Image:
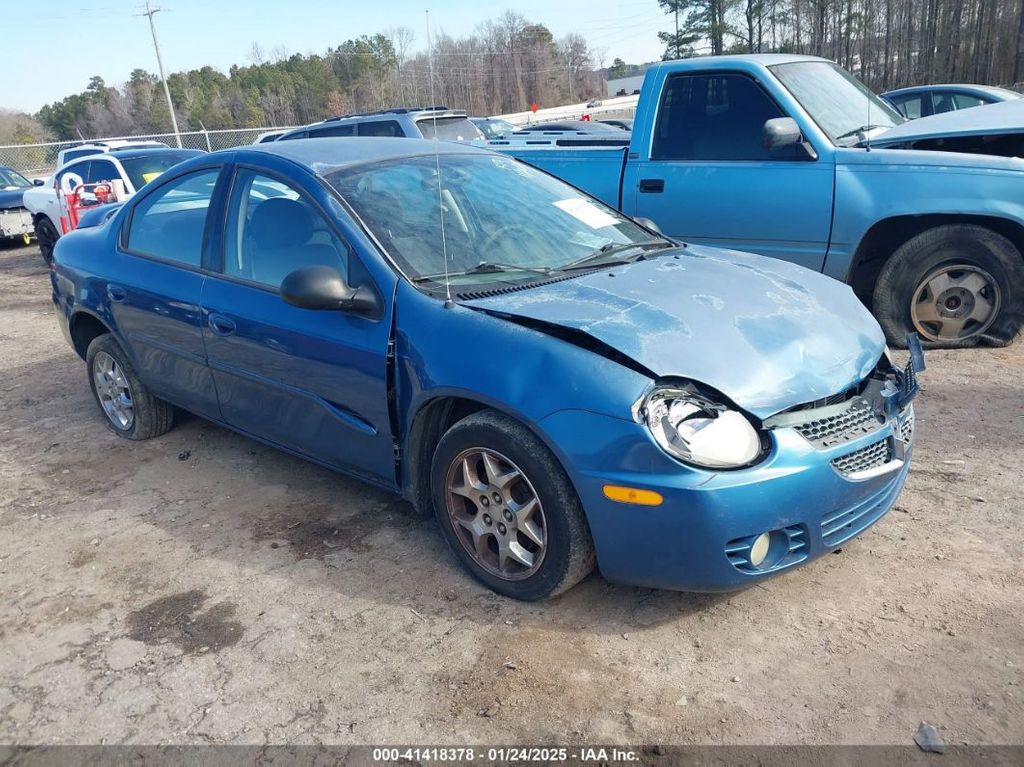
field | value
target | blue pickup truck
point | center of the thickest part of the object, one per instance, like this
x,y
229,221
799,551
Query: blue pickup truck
x,y
775,154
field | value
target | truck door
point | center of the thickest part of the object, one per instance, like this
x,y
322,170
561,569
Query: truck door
x,y
706,176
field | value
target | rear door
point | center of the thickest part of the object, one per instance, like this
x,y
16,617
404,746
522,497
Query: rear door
x,y
314,382
155,297
707,177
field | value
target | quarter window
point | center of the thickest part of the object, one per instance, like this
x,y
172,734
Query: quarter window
x,y
273,230
380,128
169,223
714,117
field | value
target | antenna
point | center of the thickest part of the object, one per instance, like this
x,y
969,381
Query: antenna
x,y
437,164
867,133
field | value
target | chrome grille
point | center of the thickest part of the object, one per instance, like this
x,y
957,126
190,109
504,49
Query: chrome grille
x,y
855,421
870,457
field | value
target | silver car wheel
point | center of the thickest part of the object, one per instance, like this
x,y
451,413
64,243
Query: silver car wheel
x,y
496,514
955,302
113,391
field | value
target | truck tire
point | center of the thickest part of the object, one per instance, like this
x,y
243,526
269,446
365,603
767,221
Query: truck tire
x,y
129,408
47,236
956,286
507,508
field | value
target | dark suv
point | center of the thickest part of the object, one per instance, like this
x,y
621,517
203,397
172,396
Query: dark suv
x,y
412,122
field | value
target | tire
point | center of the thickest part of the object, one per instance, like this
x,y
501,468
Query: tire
x,y
150,416
567,553
930,286
47,236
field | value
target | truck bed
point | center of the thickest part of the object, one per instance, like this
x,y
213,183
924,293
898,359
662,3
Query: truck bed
x,y
595,170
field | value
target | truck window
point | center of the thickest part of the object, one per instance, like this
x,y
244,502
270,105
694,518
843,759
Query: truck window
x,y
714,117
101,170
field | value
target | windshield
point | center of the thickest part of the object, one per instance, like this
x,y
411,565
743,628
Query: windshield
x,y
10,177
837,101
449,128
142,170
497,211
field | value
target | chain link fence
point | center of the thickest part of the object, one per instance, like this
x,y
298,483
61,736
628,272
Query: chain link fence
x,y
40,160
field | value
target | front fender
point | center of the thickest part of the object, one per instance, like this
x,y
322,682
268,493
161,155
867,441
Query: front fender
x,y
882,184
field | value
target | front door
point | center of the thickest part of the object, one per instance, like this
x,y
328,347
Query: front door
x,y
708,178
311,381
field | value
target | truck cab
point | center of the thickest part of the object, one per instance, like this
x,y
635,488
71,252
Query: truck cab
x,y
771,153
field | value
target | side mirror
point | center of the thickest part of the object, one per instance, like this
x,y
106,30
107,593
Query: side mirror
x,y
783,132
323,288
38,182
647,223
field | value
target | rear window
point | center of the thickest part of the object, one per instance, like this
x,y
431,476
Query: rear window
x,y
449,128
142,170
74,154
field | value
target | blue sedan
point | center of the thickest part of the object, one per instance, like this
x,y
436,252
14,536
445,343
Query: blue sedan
x,y
559,385
925,100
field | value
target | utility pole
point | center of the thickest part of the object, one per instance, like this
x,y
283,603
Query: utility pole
x,y
160,65
677,30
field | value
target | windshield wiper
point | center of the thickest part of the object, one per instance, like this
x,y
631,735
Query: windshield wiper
x,y
861,129
486,267
609,249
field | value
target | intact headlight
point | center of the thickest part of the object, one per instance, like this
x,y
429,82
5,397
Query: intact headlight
x,y
699,431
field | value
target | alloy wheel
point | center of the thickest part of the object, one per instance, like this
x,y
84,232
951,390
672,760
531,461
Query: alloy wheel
x,y
496,514
113,391
955,302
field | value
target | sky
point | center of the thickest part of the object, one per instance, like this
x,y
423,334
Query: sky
x,y
52,47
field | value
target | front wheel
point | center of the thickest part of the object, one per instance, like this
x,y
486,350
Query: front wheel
x,y
955,285
508,510
47,236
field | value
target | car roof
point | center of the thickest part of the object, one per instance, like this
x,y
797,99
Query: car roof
x,y
333,152
129,153
764,59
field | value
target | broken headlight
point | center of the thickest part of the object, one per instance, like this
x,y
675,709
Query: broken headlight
x,y
699,431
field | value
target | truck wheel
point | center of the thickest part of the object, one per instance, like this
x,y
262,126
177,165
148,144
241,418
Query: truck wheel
x,y
955,285
129,407
47,235
508,510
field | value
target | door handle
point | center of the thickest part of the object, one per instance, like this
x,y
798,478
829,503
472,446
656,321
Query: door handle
x,y
221,325
652,185
116,293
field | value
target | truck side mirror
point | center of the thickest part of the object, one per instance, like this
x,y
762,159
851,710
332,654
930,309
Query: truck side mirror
x,y
783,132
38,182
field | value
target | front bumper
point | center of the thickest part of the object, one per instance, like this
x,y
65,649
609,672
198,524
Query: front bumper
x,y
15,222
699,538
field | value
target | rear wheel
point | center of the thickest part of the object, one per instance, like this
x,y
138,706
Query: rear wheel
x,y
956,285
130,409
507,509
47,236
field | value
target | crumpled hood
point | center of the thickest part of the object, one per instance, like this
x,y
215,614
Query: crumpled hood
x,y
765,333
989,120
11,198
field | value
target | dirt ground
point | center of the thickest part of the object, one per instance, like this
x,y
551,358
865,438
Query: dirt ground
x,y
203,588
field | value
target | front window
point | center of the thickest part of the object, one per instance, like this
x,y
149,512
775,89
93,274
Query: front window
x,y
142,170
504,222
11,179
449,128
838,102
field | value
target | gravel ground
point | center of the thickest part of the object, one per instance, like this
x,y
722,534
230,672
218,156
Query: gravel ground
x,y
203,588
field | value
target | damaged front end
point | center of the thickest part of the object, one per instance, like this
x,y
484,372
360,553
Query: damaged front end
x,y
882,399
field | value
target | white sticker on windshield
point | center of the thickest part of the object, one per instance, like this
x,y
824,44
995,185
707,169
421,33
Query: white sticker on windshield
x,y
587,212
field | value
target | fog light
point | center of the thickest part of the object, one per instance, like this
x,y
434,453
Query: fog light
x,y
759,549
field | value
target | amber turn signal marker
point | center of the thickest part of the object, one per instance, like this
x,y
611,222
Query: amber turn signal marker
x,y
632,495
